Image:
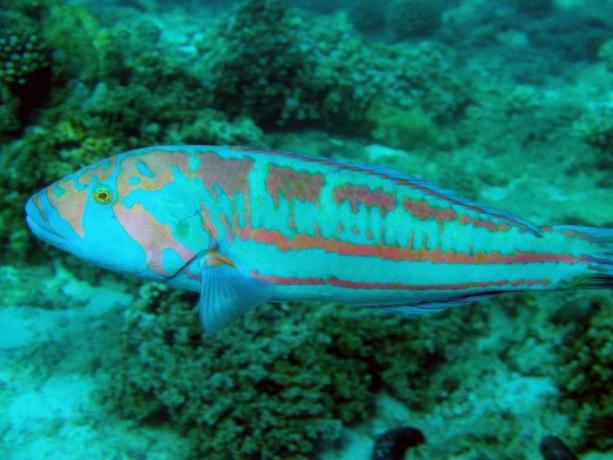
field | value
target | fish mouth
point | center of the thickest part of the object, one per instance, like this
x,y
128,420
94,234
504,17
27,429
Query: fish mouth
x,y
40,225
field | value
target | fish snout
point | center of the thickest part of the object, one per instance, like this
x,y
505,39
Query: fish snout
x,y
37,219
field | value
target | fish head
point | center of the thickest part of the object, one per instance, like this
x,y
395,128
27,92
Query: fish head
x,y
78,214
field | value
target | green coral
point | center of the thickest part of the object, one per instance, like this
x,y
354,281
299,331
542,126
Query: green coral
x,y
596,127
22,52
84,47
213,127
276,384
586,373
260,66
408,128
9,112
281,69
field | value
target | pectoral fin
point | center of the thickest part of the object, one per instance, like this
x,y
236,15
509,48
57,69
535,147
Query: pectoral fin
x,y
226,293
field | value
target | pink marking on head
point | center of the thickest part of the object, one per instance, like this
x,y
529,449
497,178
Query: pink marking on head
x,y
70,205
101,171
300,185
160,163
152,235
38,204
360,194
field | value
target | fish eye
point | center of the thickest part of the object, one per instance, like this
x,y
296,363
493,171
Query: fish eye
x,y
103,195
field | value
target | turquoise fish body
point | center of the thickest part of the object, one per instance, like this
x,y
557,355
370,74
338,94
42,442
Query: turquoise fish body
x,y
243,226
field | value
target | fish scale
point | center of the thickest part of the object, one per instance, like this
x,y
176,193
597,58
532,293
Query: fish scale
x,y
245,225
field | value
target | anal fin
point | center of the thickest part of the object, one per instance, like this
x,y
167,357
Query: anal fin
x,y
423,308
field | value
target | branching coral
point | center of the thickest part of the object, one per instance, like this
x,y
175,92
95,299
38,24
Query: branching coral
x,y
276,384
261,68
281,69
22,52
596,127
585,377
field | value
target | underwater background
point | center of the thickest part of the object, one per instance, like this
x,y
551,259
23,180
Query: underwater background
x,y
509,102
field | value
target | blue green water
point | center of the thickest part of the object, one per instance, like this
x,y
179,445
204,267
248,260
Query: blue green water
x,y
509,102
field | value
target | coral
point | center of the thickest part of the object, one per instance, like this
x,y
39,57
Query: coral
x,y
259,67
585,376
414,18
276,384
9,109
22,52
408,128
269,63
596,127
213,127
84,49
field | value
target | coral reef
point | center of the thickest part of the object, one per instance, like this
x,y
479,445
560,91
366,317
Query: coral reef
x,y
270,64
9,112
585,375
596,127
22,52
291,377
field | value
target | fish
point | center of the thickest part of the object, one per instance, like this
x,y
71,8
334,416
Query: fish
x,y
244,226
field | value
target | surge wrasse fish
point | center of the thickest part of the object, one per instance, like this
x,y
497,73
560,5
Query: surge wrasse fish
x,y
243,226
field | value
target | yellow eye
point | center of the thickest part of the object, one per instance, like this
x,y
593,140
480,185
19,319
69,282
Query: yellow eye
x,y
103,195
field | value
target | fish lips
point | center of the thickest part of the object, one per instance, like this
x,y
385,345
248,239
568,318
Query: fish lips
x,y
41,227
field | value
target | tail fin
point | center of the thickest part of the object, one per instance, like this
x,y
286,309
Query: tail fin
x,y
600,261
